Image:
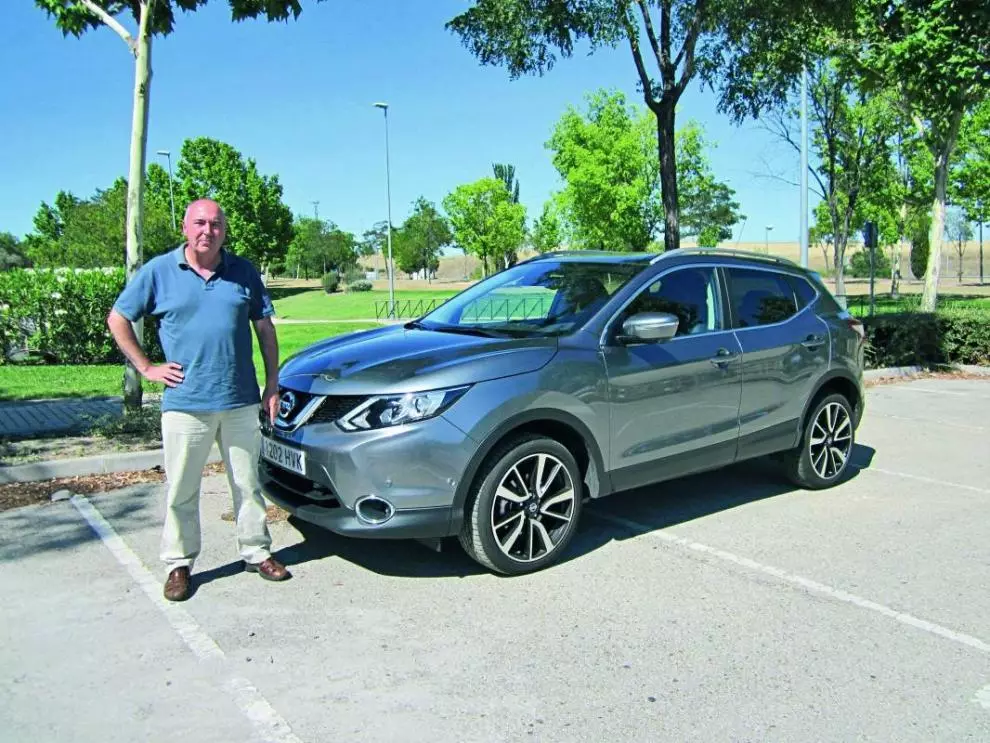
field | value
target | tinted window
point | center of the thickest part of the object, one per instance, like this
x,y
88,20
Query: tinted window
x,y
690,294
760,297
804,291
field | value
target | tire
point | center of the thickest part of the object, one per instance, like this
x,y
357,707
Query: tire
x,y
826,445
512,529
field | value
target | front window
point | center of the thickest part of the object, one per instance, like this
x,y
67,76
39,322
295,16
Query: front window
x,y
545,297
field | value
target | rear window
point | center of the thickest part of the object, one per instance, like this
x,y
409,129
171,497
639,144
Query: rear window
x,y
760,297
803,291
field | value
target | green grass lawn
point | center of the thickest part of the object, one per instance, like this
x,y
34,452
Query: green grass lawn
x,y
315,304
105,380
859,304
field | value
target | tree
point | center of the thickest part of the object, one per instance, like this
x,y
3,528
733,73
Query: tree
x,y
507,174
850,140
936,53
546,234
153,18
708,207
259,224
485,222
421,239
610,200
92,233
959,231
971,179
729,44
11,252
318,247
375,240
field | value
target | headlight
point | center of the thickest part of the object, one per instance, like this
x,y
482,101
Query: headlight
x,y
394,410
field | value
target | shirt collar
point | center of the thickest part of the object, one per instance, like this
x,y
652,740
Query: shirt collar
x,y
180,258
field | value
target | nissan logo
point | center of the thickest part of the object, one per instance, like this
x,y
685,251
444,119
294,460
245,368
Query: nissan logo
x,y
286,404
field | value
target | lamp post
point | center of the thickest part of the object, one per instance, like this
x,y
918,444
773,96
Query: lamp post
x,y
766,238
388,202
171,195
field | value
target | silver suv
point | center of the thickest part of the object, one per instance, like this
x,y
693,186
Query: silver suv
x,y
570,376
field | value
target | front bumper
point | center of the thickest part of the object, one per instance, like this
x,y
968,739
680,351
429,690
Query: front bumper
x,y
415,468
415,523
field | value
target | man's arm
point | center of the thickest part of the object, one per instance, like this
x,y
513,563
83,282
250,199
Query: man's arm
x,y
169,373
268,342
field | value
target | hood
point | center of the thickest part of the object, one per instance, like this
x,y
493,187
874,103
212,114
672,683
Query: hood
x,y
396,360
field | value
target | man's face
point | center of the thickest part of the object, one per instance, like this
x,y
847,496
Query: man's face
x,y
204,227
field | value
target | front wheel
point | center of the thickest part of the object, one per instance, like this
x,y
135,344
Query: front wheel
x,y
826,445
525,509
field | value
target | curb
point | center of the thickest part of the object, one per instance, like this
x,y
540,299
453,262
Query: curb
x,y
907,372
99,465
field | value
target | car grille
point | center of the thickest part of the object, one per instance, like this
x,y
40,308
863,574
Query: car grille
x,y
302,486
335,406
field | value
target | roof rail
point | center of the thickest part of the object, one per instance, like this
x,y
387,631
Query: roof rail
x,y
730,253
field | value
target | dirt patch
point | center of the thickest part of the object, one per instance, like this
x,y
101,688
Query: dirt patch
x,y
927,374
16,495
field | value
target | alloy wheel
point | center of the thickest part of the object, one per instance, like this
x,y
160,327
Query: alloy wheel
x,y
830,441
533,505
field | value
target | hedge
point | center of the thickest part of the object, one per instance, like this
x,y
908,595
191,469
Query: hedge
x,y
59,316
923,339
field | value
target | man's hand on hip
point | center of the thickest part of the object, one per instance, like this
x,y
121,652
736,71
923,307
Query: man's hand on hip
x,y
170,374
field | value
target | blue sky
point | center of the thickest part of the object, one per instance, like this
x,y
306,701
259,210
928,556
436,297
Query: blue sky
x,y
298,97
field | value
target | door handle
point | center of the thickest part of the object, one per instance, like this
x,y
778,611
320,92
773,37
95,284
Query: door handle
x,y
722,358
813,342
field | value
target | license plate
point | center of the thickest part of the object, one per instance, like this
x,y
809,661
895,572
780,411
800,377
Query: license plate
x,y
284,456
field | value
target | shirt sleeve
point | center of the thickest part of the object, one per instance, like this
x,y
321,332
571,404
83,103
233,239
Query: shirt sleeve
x,y
138,297
261,301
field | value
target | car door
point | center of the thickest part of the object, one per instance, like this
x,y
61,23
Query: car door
x,y
673,404
785,349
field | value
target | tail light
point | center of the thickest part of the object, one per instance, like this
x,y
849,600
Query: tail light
x,y
855,325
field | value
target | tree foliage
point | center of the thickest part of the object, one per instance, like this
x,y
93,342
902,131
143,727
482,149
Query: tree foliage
x,y
485,222
749,50
259,224
421,239
319,247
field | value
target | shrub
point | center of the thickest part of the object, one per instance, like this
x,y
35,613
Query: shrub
x,y
330,282
59,316
916,338
353,274
919,254
359,286
859,264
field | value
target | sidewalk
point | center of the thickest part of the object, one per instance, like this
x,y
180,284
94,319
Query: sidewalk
x,y
35,418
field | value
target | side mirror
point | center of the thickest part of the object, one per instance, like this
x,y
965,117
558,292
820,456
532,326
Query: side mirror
x,y
649,327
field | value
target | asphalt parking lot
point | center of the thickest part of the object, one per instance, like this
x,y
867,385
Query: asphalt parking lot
x,y
721,607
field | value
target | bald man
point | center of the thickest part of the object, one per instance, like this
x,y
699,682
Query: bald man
x,y
206,301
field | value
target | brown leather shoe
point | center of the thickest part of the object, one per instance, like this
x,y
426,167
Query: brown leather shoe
x,y
177,585
270,569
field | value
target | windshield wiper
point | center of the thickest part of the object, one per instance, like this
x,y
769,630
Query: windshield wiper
x,y
416,325
466,330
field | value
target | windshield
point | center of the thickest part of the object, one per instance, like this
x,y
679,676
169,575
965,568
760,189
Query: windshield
x,y
539,298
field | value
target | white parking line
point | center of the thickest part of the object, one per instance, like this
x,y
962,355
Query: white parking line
x,y
919,478
982,697
806,583
266,721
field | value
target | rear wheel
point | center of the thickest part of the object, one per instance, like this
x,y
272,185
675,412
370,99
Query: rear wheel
x,y
525,508
826,446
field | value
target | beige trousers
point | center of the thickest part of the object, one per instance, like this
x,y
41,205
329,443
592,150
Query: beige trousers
x,y
187,438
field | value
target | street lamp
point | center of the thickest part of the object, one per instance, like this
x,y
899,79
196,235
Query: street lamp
x,y
388,201
171,195
766,238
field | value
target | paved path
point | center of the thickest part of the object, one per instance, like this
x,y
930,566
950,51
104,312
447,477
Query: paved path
x,y
32,418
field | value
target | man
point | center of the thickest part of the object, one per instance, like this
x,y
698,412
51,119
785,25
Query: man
x,y
206,300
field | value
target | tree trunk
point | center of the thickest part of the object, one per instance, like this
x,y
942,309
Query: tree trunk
x,y
840,260
135,186
668,173
929,297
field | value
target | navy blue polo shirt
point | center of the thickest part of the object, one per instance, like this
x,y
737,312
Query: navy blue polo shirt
x,y
204,325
